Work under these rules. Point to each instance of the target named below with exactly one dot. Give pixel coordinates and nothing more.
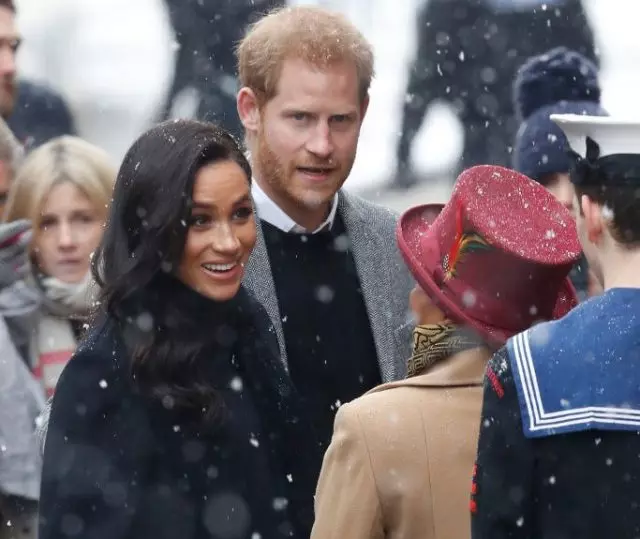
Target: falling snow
(168, 402)
(236, 384)
(144, 321)
(469, 298)
(607, 213)
(280, 504)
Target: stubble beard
(278, 178)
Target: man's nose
(321, 143)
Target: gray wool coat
(21, 402)
(384, 279)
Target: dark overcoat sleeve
(94, 452)
(501, 493)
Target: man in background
(34, 113)
(467, 55)
(207, 32)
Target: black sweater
(330, 348)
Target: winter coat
(400, 461)
(21, 401)
(21, 397)
(560, 431)
(119, 464)
(39, 115)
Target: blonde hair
(63, 159)
(312, 34)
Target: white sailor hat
(606, 149)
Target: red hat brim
(410, 231)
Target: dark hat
(496, 257)
(561, 81)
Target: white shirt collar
(270, 212)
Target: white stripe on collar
(270, 212)
(541, 420)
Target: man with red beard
(326, 265)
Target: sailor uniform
(559, 446)
(596, 390)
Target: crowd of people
(215, 340)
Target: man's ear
(593, 219)
(364, 107)
(248, 109)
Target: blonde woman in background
(64, 188)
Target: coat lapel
(373, 271)
(259, 280)
(374, 274)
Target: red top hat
(497, 256)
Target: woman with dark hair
(175, 418)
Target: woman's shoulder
(96, 384)
(100, 360)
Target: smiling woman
(182, 393)
(222, 231)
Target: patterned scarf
(435, 342)
(54, 340)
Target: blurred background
(117, 64)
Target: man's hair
(11, 151)
(623, 206)
(8, 4)
(314, 35)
